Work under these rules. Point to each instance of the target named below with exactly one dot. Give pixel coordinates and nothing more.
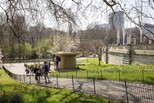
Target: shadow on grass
(97, 78)
(150, 80)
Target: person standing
(46, 71)
(58, 59)
(37, 72)
(56, 62)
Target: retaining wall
(130, 54)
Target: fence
(128, 92)
(111, 74)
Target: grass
(12, 91)
(91, 69)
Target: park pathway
(132, 93)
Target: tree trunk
(107, 57)
(99, 60)
(19, 48)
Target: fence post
(24, 78)
(101, 74)
(57, 81)
(73, 82)
(119, 75)
(94, 85)
(13, 76)
(30, 78)
(126, 92)
(67, 74)
(143, 76)
(87, 74)
(59, 74)
(76, 74)
(20, 77)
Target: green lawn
(12, 91)
(91, 69)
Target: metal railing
(120, 90)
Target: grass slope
(91, 69)
(135, 72)
(12, 91)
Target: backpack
(46, 67)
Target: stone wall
(130, 54)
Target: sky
(97, 12)
(100, 15)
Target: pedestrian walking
(46, 71)
(27, 71)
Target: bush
(13, 96)
(3, 97)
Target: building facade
(133, 36)
(116, 20)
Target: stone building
(148, 34)
(116, 20)
(133, 36)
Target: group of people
(38, 71)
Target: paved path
(137, 93)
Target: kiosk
(67, 60)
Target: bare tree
(35, 11)
(96, 38)
(58, 9)
(62, 42)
